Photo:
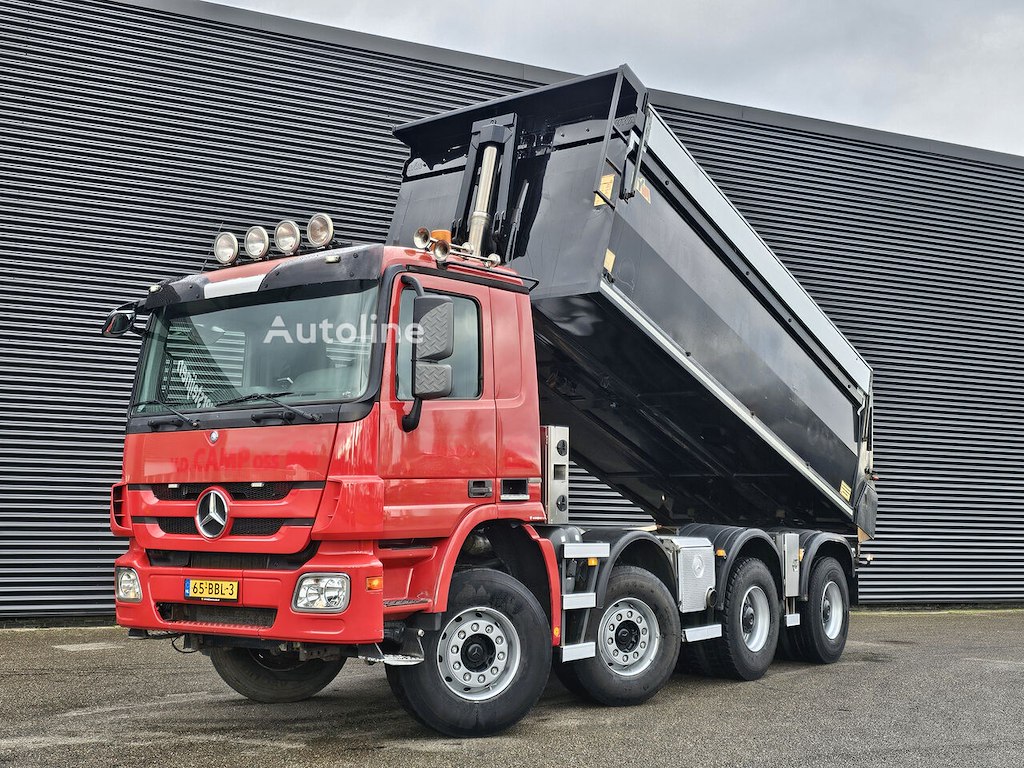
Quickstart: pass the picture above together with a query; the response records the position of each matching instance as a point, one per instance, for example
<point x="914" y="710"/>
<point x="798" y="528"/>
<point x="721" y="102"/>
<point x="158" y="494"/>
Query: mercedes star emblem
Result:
<point x="212" y="513"/>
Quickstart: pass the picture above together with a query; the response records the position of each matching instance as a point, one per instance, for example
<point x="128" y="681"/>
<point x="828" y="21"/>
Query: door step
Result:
<point x="577" y="651"/>
<point x="696" y="634"/>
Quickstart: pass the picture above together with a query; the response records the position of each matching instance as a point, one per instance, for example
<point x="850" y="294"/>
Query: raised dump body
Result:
<point x="696" y="375"/>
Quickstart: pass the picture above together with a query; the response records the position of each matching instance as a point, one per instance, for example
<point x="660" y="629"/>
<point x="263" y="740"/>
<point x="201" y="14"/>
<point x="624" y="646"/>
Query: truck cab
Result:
<point x="297" y="455"/>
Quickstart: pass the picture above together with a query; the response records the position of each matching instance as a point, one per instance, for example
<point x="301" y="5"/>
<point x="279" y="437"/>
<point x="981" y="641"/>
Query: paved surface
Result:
<point x="913" y="689"/>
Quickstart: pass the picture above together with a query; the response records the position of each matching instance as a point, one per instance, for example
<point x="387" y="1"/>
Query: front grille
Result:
<point x="178" y="525"/>
<point x="241" y="526"/>
<point x="230" y="561"/>
<point x="265" y="492"/>
<point x="225" y="615"/>
<point x="274" y="491"/>
<point x="233" y="561"/>
<point x="256" y="526"/>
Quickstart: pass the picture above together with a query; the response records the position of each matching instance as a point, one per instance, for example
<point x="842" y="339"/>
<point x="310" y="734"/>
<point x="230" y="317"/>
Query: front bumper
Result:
<point x="264" y="608"/>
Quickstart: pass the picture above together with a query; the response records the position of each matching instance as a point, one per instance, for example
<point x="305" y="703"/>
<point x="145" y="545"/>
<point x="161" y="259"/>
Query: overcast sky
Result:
<point x="945" y="69"/>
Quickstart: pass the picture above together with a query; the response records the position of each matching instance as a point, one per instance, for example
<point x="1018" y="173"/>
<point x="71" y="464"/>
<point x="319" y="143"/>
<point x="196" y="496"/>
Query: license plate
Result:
<point x="205" y="589"/>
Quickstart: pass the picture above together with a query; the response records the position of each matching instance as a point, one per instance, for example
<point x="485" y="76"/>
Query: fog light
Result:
<point x="129" y="588"/>
<point x="322" y="593"/>
<point x="286" y="237"/>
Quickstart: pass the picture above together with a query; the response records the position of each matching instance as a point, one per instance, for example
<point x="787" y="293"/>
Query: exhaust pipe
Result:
<point x="480" y="218"/>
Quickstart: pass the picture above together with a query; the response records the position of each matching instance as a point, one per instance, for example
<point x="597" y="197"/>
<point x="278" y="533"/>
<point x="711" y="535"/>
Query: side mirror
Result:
<point x="432" y="381"/>
<point x="120" y="321"/>
<point x="434" y="320"/>
<point x="434" y="317"/>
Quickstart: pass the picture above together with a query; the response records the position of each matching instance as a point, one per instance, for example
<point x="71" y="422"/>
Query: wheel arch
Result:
<point x="527" y="557"/>
<point x="737" y="543"/>
<point x="822" y="544"/>
<point x="632" y="547"/>
<point x="453" y="548"/>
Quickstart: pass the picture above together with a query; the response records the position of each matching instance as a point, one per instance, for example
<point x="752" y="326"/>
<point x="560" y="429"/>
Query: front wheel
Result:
<point x="637" y="638"/>
<point x="273" y="678"/>
<point x="487" y="665"/>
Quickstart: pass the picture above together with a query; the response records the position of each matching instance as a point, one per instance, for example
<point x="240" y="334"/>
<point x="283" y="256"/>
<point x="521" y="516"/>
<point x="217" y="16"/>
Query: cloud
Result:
<point x="943" y="69"/>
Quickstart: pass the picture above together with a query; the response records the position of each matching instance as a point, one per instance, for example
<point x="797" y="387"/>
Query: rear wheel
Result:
<point x="273" y="678"/>
<point x="825" y="617"/>
<point x="487" y="665"/>
<point x="637" y="637"/>
<point x="750" y="625"/>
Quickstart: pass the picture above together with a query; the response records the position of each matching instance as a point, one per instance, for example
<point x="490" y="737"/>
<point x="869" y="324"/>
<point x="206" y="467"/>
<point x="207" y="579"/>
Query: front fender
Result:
<point x="471" y="520"/>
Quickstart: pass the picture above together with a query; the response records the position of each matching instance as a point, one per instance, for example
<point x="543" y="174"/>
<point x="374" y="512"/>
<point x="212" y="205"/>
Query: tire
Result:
<point x="825" y="617"/>
<point x="638" y="639"/>
<point x="496" y="612"/>
<point x="750" y="623"/>
<point x="273" y="678"/>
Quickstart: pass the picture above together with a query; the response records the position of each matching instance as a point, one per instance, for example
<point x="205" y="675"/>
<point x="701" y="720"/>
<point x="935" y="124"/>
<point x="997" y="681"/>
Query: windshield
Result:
<point x="302" y="344"/>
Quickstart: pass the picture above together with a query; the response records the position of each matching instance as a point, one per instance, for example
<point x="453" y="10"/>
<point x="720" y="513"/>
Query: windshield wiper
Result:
<point x="194" y="423"/>
<point x="272" y="397"/>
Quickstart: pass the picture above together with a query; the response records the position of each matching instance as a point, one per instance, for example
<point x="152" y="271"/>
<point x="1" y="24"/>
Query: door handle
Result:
<point x="481" y="489"/>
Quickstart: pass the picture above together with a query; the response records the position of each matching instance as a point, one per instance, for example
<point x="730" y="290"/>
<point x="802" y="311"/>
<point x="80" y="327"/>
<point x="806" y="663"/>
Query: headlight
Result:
<point x="286" y="237"/>
<point x="320" y="230"/>
<point x="129" y="588"/>
<point x="257" y="243"/>
<point x="322" y="593"/>
<point x="225" y="248"/>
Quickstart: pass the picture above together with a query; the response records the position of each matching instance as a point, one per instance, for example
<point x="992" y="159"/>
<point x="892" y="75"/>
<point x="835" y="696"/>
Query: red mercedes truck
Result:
<point x="341" y="451"/>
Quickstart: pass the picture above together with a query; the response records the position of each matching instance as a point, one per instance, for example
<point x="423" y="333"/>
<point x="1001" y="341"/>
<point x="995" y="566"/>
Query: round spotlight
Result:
<point x="286" y="237"/>
<point x="421" y="239"/>
<point x="225" y="248"/>
<point x="257" y="243"/>
<point x="320" y="230"/>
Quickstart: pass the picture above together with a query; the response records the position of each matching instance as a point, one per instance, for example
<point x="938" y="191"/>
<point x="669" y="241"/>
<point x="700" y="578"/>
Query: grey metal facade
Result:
<point x="129" y="133"/>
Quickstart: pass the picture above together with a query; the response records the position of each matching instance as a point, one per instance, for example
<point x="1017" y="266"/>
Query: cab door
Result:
<point x="445" y="466"/>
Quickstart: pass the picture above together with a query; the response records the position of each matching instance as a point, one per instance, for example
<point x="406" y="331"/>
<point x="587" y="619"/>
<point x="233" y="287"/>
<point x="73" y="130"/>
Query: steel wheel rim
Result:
<point x="629" y="637"/>
<point x="755" y="618"/>
<point x="832" y="610"/>
<point x="478" y="653"/>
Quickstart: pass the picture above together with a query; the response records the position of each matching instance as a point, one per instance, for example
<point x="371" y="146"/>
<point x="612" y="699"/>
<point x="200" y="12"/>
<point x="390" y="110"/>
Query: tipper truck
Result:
<point x="341" y="451"/>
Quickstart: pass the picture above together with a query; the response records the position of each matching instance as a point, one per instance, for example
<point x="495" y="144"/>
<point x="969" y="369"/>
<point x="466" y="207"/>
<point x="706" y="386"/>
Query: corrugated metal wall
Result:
<point x="129" y="135"/>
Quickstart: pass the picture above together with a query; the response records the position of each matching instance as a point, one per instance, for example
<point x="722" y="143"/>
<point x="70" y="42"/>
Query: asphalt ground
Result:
<point x="913" y="689"/>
